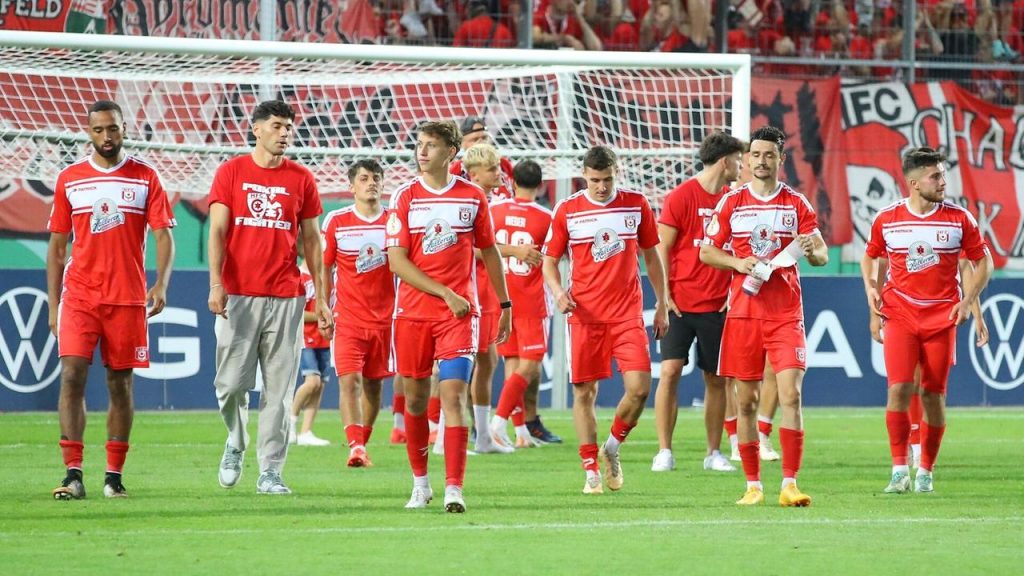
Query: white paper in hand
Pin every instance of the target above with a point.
(788, 257)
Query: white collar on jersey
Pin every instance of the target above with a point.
(768, 198)
(368, 219)
(615, 194)
(113, 168)
(935, 208)
(451, 182)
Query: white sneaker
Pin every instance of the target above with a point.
(485, 445)
(898, 484)
(664, 461)
(310, 439)
(499, 435)
(768, 454)
(528, 442)
(293, 436)
(270, 482)
(421, 496)
(453, 501)
(230, 466)
(923, 481)
(718, 463)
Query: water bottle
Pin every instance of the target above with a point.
(757, 277)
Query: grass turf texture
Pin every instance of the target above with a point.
(525, 511)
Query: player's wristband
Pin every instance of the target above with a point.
(506, 304)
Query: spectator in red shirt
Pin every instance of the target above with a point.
(560, 25)
(616, 29)
(479, 30)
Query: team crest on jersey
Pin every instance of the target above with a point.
(438, 236)
(128, 194)
(942, 236)
(631, 220)
(801, 355)
(263, 206)
(789, 221)
(105, 216)
(763, 241)
(921, 256)
(465, 214)
(606, 244)
(370, 257)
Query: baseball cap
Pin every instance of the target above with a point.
(468, 123)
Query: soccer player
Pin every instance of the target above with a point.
(314, 363)
(107, 200)
(921, 303)
(522, 224)
(434, 224)
(760, 219)
(363, 306)
(604, 229)
(697, 299)
(474, 131)
(261, 205)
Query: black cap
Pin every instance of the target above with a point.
(470, 122)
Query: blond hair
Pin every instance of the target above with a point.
(479, 155)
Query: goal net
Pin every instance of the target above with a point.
(187, 104)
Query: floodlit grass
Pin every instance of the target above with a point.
(525, 511)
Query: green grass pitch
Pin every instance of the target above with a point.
(525, 513)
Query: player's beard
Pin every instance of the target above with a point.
(935, 196)
(114, 152)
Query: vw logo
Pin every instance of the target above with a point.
(999, 363)
(27, 347)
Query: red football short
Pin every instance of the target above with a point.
(593, 346)
(415, 344)
(747, 341)
(488, 333)
(359, 350)
(121, 332)
(528, 340)
(913, 335)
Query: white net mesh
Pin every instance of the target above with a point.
(188, 113)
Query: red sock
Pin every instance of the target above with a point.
(916, 412)
(519, 414)
(621, 428)
(399, 404)
(792, 442)
(730, 426)
(931, 438)
(71, 450)
(456, 439)
(588, 453)
(354, 435)
(434, 409)
(898, 424)
(117, 451)
(763, 426)
(750, 454)
(511, 395)
(417, 431)
(367, 430)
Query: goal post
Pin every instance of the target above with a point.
(187, 104)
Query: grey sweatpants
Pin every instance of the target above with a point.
(265, 330)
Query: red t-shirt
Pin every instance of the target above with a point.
(266, 206)
(363, 284)
(624, 37)
(763, 227)
(481, 32)
(603, 241)
(518, 222)
(311, 336)
(569, 25)
(924, 250)
(695, 286)
(439, 228)
(108, 210)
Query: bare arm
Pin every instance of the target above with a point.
(590, 39)
(157, 294)
(496, 273)
(972, 288)
(401, 266)
(717, 258)
(220, 216)
(980, 328)
(553, 278)
(668, 236)
(309, 231)
(526, 253)
(814, 248)
(56, 259)
(869, 272)
(656, 274)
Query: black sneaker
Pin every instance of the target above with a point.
(538, 431)
(71, 488)
(112, 486)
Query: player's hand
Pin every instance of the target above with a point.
(746, 265)
(660, 320)
(504, 325)
(529, 255)
(981, 331)
(671, 304)
(325, 320)
(874, 299)
(806, 244)
(156, 299)
(565, 303)
(457, 304)
(960, 313)
(875, 324)
(218, 301)
(53, 321)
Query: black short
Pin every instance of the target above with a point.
(706, 327)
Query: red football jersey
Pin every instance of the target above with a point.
(762, 227)
(603, 241)
(310, 331)
(266, 206)
(518, 222)
(108, 210)
(363, 284)
(924, 250)
(439, 228)
(695, 286)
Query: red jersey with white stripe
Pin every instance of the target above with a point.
(311, 336)
(108, 211)
(484, 289)
(695, 286)
(266, 206)
(364, 286)
(439, 228)
(520, 222)
(603, 241)
(924, 250)
(762, 227)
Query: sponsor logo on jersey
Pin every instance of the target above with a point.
(763, 241)
(370, 257)
(438, 236)
(394, 224)
(1000, 363)
(713, 227)
(606, 244)
(105, 216)
(920, 256)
